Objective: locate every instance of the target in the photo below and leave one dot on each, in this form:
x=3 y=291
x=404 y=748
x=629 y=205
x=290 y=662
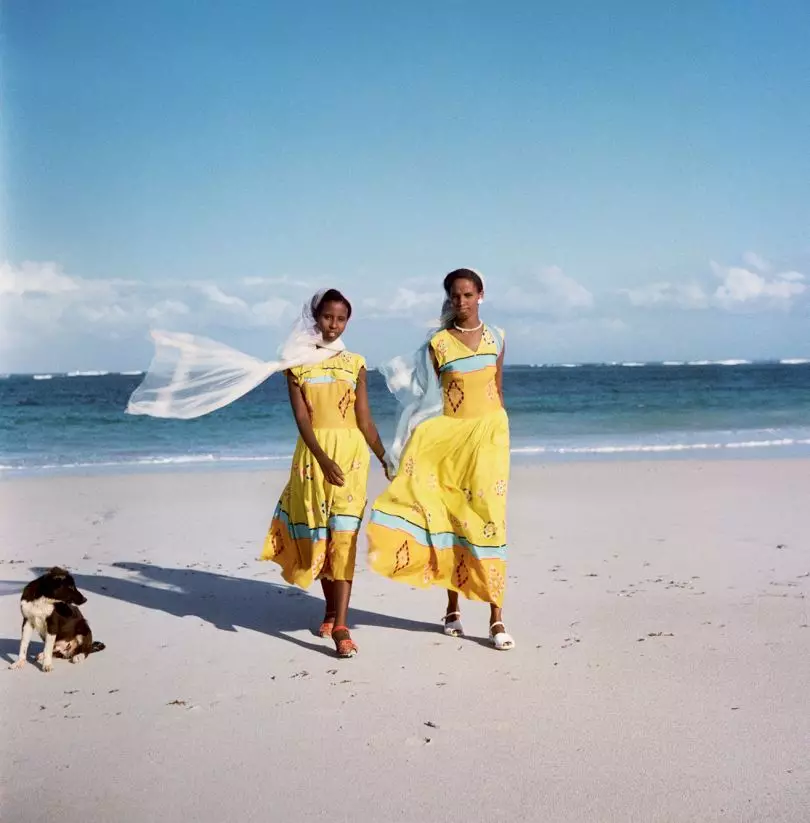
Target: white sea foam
x=191 y=460
x=794 y=361
x=633 y=364
x=91 y=373
x=641 y=448
x=673 y=363
x=43 y=377
x=131 y=373
x=177 y=460
x=730 y=362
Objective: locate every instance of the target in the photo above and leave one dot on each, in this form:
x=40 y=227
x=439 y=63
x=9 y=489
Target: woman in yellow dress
x=314 y=530
x=442 y=521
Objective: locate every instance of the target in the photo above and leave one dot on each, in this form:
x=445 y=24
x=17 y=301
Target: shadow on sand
x=225 y=602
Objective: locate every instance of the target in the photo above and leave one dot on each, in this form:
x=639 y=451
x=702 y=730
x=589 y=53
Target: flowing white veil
x=413 y=381
x=191 y=375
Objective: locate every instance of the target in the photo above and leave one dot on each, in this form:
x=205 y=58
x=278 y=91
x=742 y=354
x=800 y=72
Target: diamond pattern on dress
x=403 y=558
x=462 y=573
x=455 y=394
x=344 y=403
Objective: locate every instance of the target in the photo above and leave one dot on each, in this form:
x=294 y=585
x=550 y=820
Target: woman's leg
x=495 y=615
x=452 y=606
x=328 y=624
x=342 y=592
x=340 y=634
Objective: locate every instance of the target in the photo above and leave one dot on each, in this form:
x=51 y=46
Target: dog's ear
x=57 y=571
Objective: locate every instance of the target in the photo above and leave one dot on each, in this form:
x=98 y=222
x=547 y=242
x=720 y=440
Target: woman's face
x=464 y=298
x=332 y=319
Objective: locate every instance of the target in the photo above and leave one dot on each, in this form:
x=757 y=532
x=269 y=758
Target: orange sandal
x=327 y=627
x=344 y=645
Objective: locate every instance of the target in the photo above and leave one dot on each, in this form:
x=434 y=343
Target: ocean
x=75 y=423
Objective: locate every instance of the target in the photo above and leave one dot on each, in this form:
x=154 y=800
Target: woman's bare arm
x=364 y=419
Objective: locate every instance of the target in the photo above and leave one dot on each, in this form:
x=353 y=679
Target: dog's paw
x=77 y=658
x=47 y=667
x=18 y=664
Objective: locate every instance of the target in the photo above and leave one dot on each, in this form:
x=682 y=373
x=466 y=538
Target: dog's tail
x=97 y=647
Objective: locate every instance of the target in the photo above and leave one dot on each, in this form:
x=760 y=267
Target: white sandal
x=502 y=641
x=454 y=627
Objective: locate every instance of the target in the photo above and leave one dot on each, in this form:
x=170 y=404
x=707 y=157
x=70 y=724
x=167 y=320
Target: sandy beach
x=661 y=673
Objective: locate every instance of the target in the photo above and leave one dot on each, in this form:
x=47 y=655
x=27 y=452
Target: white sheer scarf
x=191 y=375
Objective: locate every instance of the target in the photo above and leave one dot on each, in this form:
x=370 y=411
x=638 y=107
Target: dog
x=49 y=606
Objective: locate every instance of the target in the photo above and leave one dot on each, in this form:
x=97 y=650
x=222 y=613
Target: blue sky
x=633 y=181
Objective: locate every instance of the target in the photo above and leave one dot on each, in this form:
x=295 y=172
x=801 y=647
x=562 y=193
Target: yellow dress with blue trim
x=442 y=521
x=315 y=525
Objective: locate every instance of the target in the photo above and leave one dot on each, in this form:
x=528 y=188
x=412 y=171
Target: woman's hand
x=388 y=467
x=331 y=471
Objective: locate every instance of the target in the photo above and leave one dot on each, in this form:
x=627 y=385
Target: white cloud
x=743 y=287
x=563 y=291
x=216 y=295
x=404 y=300
x=34 y=279
x=270 y=312
x=550 y=292
x=167 y=308
x=739 y=289
x=685 y=295
x=263 y=282
x=754 y=261
x=38 y=301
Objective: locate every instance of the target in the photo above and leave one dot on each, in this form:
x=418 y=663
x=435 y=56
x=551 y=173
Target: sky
x=631 y=178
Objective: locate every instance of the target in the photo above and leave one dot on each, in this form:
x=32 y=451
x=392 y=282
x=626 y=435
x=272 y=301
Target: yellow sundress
x=442 y=521
x=315 y=524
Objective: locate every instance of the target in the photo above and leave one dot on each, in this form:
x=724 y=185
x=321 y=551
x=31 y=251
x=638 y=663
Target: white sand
x=591 y=718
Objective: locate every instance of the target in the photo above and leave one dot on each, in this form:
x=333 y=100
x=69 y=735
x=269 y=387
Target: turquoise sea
x=75 y=422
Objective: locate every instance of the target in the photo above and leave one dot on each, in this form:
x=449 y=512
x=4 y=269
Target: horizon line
x=783 y=361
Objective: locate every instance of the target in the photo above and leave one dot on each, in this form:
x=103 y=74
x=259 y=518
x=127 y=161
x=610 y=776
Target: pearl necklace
x=466 y=331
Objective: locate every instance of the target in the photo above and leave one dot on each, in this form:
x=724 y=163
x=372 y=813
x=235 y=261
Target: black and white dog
x=49 y=606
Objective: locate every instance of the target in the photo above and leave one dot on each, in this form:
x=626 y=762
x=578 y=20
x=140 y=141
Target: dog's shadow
x=229 y=602
x=9 y=648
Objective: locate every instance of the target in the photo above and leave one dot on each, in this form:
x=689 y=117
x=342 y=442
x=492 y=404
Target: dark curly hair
x=463 y=274
x=331 y=296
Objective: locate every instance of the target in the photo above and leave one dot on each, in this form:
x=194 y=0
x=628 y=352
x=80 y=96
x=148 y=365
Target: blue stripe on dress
x=439 y=540
x=303 y=531
x=476 y=362
x=327 y=378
